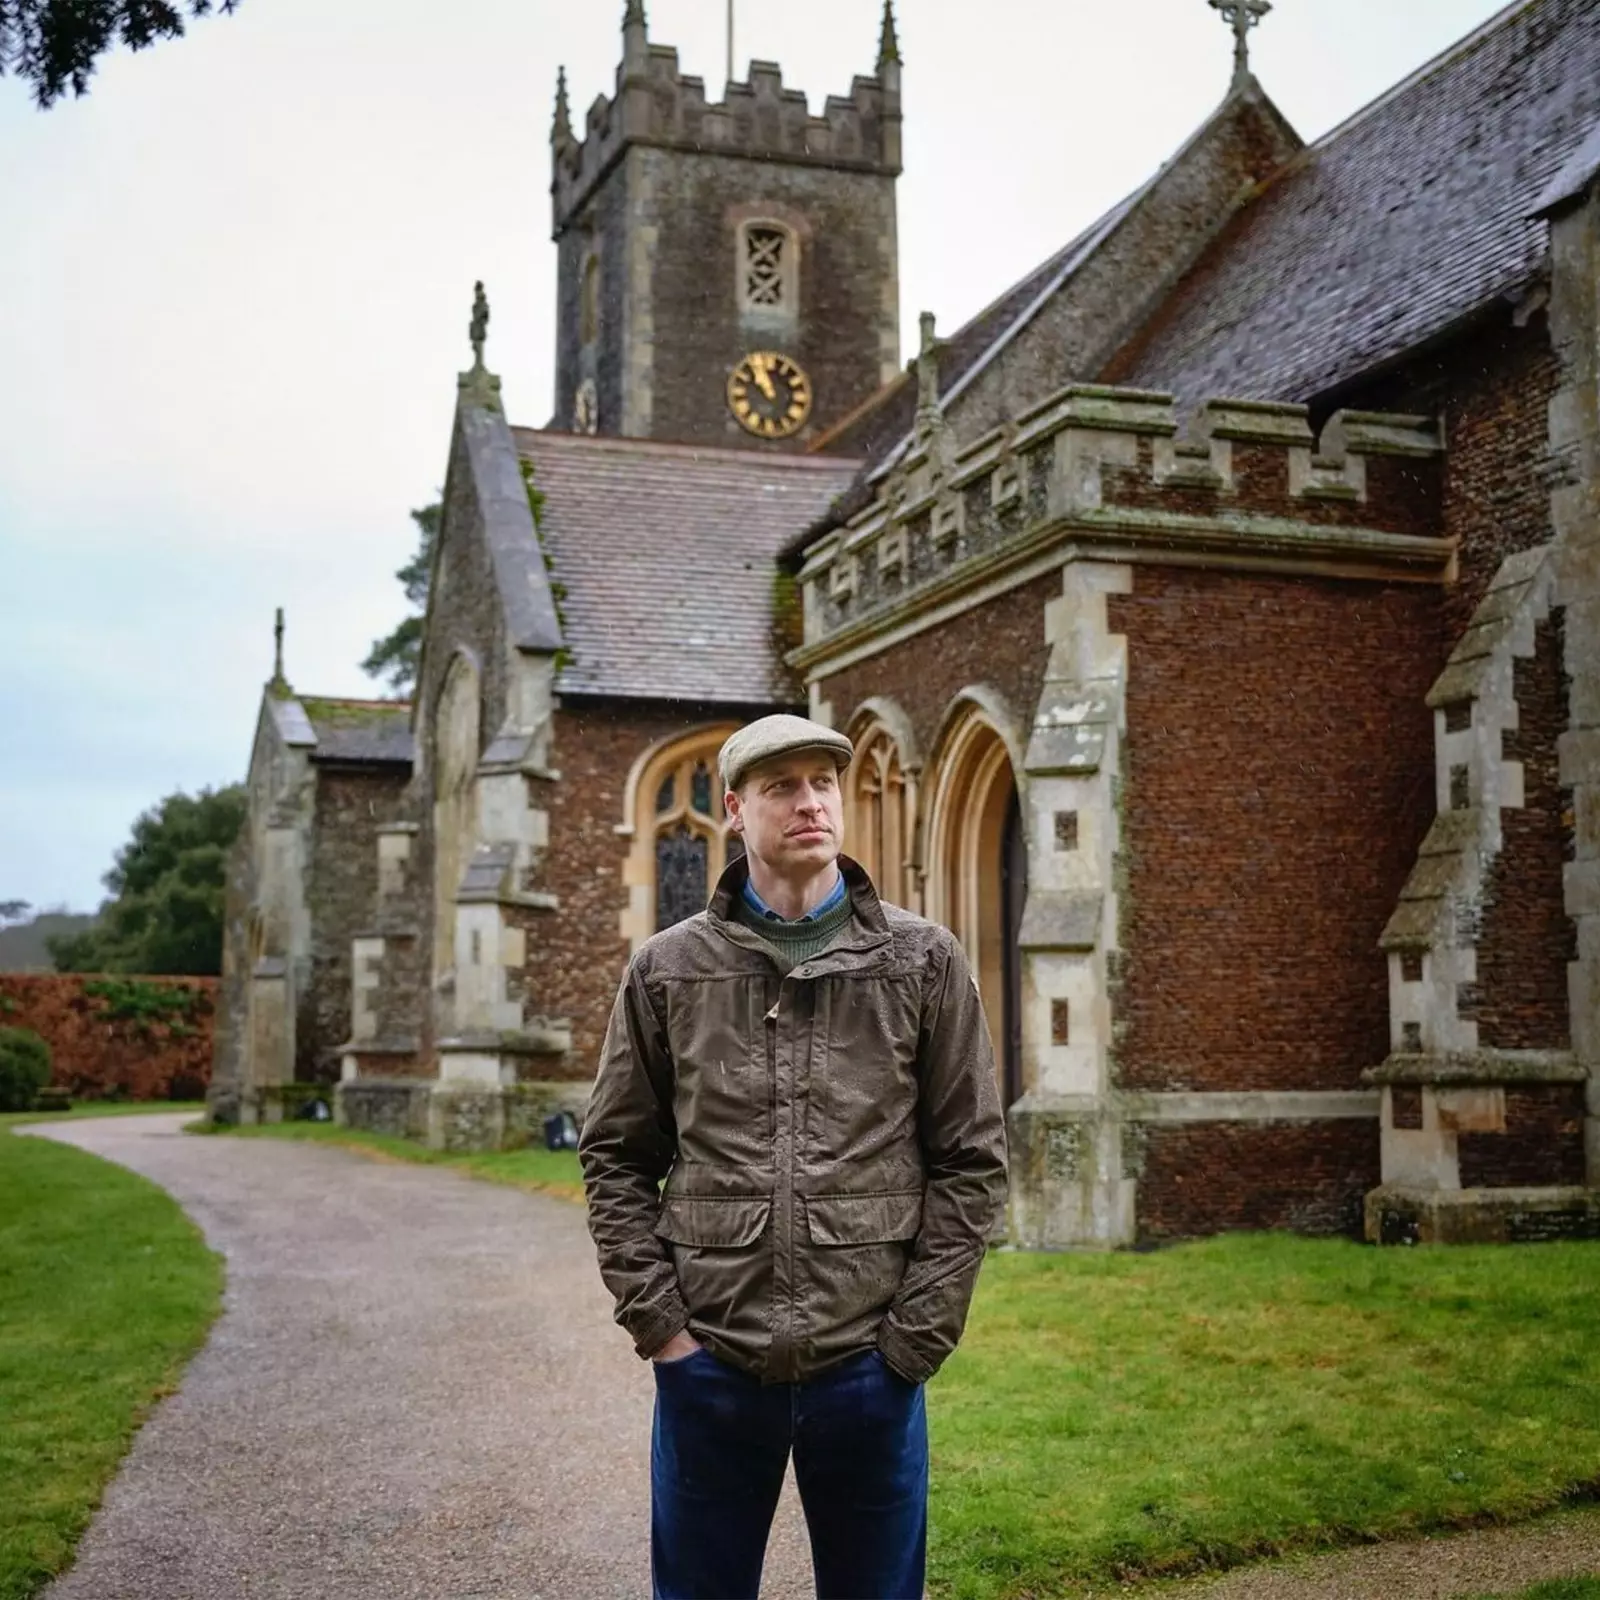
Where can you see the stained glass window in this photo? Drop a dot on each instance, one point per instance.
(666, 796)
(682, 875)
(700, 789)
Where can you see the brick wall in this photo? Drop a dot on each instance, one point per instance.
(1542, 1143)
(1492, 392)
(576, 957)
(1277, 780)
(1201, 1178)
(1527, 939)
(999, 644)
(97, 1056)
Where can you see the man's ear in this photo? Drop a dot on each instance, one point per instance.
(731, 805)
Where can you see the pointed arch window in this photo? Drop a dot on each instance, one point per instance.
(681, 839)
(769, 268)
(589, 301)
(880, 817)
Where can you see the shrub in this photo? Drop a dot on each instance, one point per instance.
(24, 1068)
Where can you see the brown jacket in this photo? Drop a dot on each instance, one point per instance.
(831, 1142)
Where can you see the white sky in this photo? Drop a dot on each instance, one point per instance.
(235, 282)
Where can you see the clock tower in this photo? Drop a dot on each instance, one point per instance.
(727, 272)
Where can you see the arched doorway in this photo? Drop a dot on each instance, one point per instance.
(977, 878)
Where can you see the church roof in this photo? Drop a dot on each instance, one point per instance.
(663, 556)
(1410, 217)
(361, 732)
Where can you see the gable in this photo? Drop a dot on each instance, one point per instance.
(1412, 216)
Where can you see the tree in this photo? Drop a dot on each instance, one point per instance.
(14, 910)
(53, 44)
(164, 916)
(397, 656)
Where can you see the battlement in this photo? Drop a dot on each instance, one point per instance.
(1113, 473)
(656, 104)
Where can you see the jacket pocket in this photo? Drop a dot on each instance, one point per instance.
(721, 1223)
(845, 1219)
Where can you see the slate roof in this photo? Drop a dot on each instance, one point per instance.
(665, 558)
(883, 419)
(1411, 216)
(359, 731)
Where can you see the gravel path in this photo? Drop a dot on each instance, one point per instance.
(415, 1390)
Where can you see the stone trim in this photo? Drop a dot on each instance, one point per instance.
(1479, 1067)
(1261, 1105)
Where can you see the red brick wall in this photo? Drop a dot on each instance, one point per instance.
(98, 1057)
(1527, 939)
(1542, 1143)
(1000, 644)
(1492, 393)
(577, 956)
(1211, 1177)
(1277, 781)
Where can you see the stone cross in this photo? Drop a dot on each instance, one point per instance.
(478, 328)
(1241, 16)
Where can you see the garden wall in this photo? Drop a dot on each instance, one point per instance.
(117, 1038)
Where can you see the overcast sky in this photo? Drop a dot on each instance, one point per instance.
(235, 282)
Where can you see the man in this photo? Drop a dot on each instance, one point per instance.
(808, 1072)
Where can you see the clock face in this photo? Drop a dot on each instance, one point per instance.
(769, 394)
(586, 408)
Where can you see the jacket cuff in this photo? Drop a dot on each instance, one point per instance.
(899, 1353)
(654, 1331)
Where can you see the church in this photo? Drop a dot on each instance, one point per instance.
(1210, 616)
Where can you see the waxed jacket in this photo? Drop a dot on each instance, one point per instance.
(796, 1168)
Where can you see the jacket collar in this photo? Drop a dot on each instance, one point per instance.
(868, 929)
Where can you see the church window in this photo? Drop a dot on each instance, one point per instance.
(589, 302)
(681, 837)
(879, 814)
(769, 268)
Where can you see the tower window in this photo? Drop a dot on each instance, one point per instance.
(589, 302)
(769, 267)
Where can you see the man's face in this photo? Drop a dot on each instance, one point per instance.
(791, 813)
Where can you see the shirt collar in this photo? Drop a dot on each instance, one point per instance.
(761, 908)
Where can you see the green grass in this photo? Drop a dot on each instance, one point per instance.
(106, 1290)
(537, 1170)
(1558, 1589)
(1114, 1417)
(82, 1110)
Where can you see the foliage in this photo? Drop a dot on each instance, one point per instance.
(1130, 1416)
(396, 657)
(109, 1290)
(14, 910)
(165, 917)
(54, 44)
(24, 1068)
(149, 1006)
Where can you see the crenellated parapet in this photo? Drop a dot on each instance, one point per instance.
(1114, 473)
(656, 104)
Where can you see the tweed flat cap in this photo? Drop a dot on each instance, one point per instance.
(780, 735)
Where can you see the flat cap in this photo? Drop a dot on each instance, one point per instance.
(780, 735)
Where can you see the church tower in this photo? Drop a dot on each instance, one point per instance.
(728, 273)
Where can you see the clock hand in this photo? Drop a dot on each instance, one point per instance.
(763, 376)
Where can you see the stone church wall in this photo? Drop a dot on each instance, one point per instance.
(343, 885)
(999, 644)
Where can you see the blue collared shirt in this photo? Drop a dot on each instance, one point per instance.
(761, 908)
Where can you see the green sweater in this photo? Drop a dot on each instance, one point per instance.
(794, 942)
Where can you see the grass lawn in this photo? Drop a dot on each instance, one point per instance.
(1559, 1589)
(541, 1171)
(83, 1109)
(106, 1290)
(1125, 1416)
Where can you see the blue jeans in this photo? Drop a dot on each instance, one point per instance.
(719, 1447)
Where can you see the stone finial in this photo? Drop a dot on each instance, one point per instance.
(633, 15)
(561, 129)
(927, 375)
(1241, 16)
(888, 40)
(278, 686)
(479, 384)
